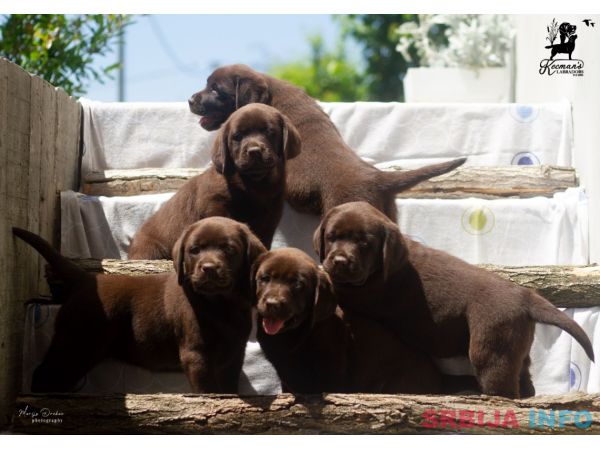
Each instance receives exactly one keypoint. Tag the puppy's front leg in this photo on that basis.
(195, 366)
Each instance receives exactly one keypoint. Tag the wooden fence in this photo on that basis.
(39, 157)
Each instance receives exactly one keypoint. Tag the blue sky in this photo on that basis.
(198, 43)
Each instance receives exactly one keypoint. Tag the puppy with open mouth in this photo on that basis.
(245, 183)
(327, 172)
(317, 347)
(197, 319)
(436, 302)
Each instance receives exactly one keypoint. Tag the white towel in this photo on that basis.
(506, 231)
(140, 135)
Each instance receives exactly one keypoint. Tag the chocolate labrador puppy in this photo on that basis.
(197, 319)
(316, 347)
(435, 301)
(246, 183)
(327, 173)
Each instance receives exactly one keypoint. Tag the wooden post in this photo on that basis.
(39, 148)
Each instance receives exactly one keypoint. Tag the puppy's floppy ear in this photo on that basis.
(253, 269)
(254, 247)
(221, 156)
(325, 300)
(291, 142)
(178, 254)
(319, 237)
(251, 90)
(319, 241)
(395, 252)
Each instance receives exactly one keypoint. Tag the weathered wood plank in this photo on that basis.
(497, 182)
(47, 179)
(6, 385)
(484, 182)
(317, 414)
(35, 168)
(67, 154)
(31, 174)
(564, 286)
(15, 122)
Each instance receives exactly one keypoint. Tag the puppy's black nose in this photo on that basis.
(191, 101)
(339, 260)
(209, 268)
(272, 302)
(274, 305)
(254, 152)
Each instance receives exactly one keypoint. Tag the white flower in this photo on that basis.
(473, 40)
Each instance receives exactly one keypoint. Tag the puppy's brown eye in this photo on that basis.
(298, 285)
(269, 131)
(237, 136)
(194, 249)
(228, 249)
(264, 279)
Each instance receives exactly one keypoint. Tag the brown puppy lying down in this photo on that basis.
(246, 183)
(316, 347)
(197, 319)
(435, 301)
(327, 173)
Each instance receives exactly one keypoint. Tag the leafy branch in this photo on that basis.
(61, 48)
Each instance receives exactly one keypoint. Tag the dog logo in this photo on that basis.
(567, 37)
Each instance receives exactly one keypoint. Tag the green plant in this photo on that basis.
(377, 36)
(327, 75)
(61, 48)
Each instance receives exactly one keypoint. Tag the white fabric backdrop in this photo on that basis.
(139, 135)
(509, 231)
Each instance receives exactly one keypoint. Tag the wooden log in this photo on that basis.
(496, 182)
(482, 182)
(316, 414)
(564, 286)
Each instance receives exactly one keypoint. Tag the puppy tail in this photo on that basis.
(541, 310)
(401, 181)
(61, 266)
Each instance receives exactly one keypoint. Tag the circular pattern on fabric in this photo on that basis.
(478, 220)
(524, 113)
(525, 159)
(574, 376)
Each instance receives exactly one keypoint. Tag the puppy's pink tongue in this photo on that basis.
(272, 326)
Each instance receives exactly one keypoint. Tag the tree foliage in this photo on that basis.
(326, 75)
(378, 36)
(61, 48)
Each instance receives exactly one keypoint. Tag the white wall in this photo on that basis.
(582, 92)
